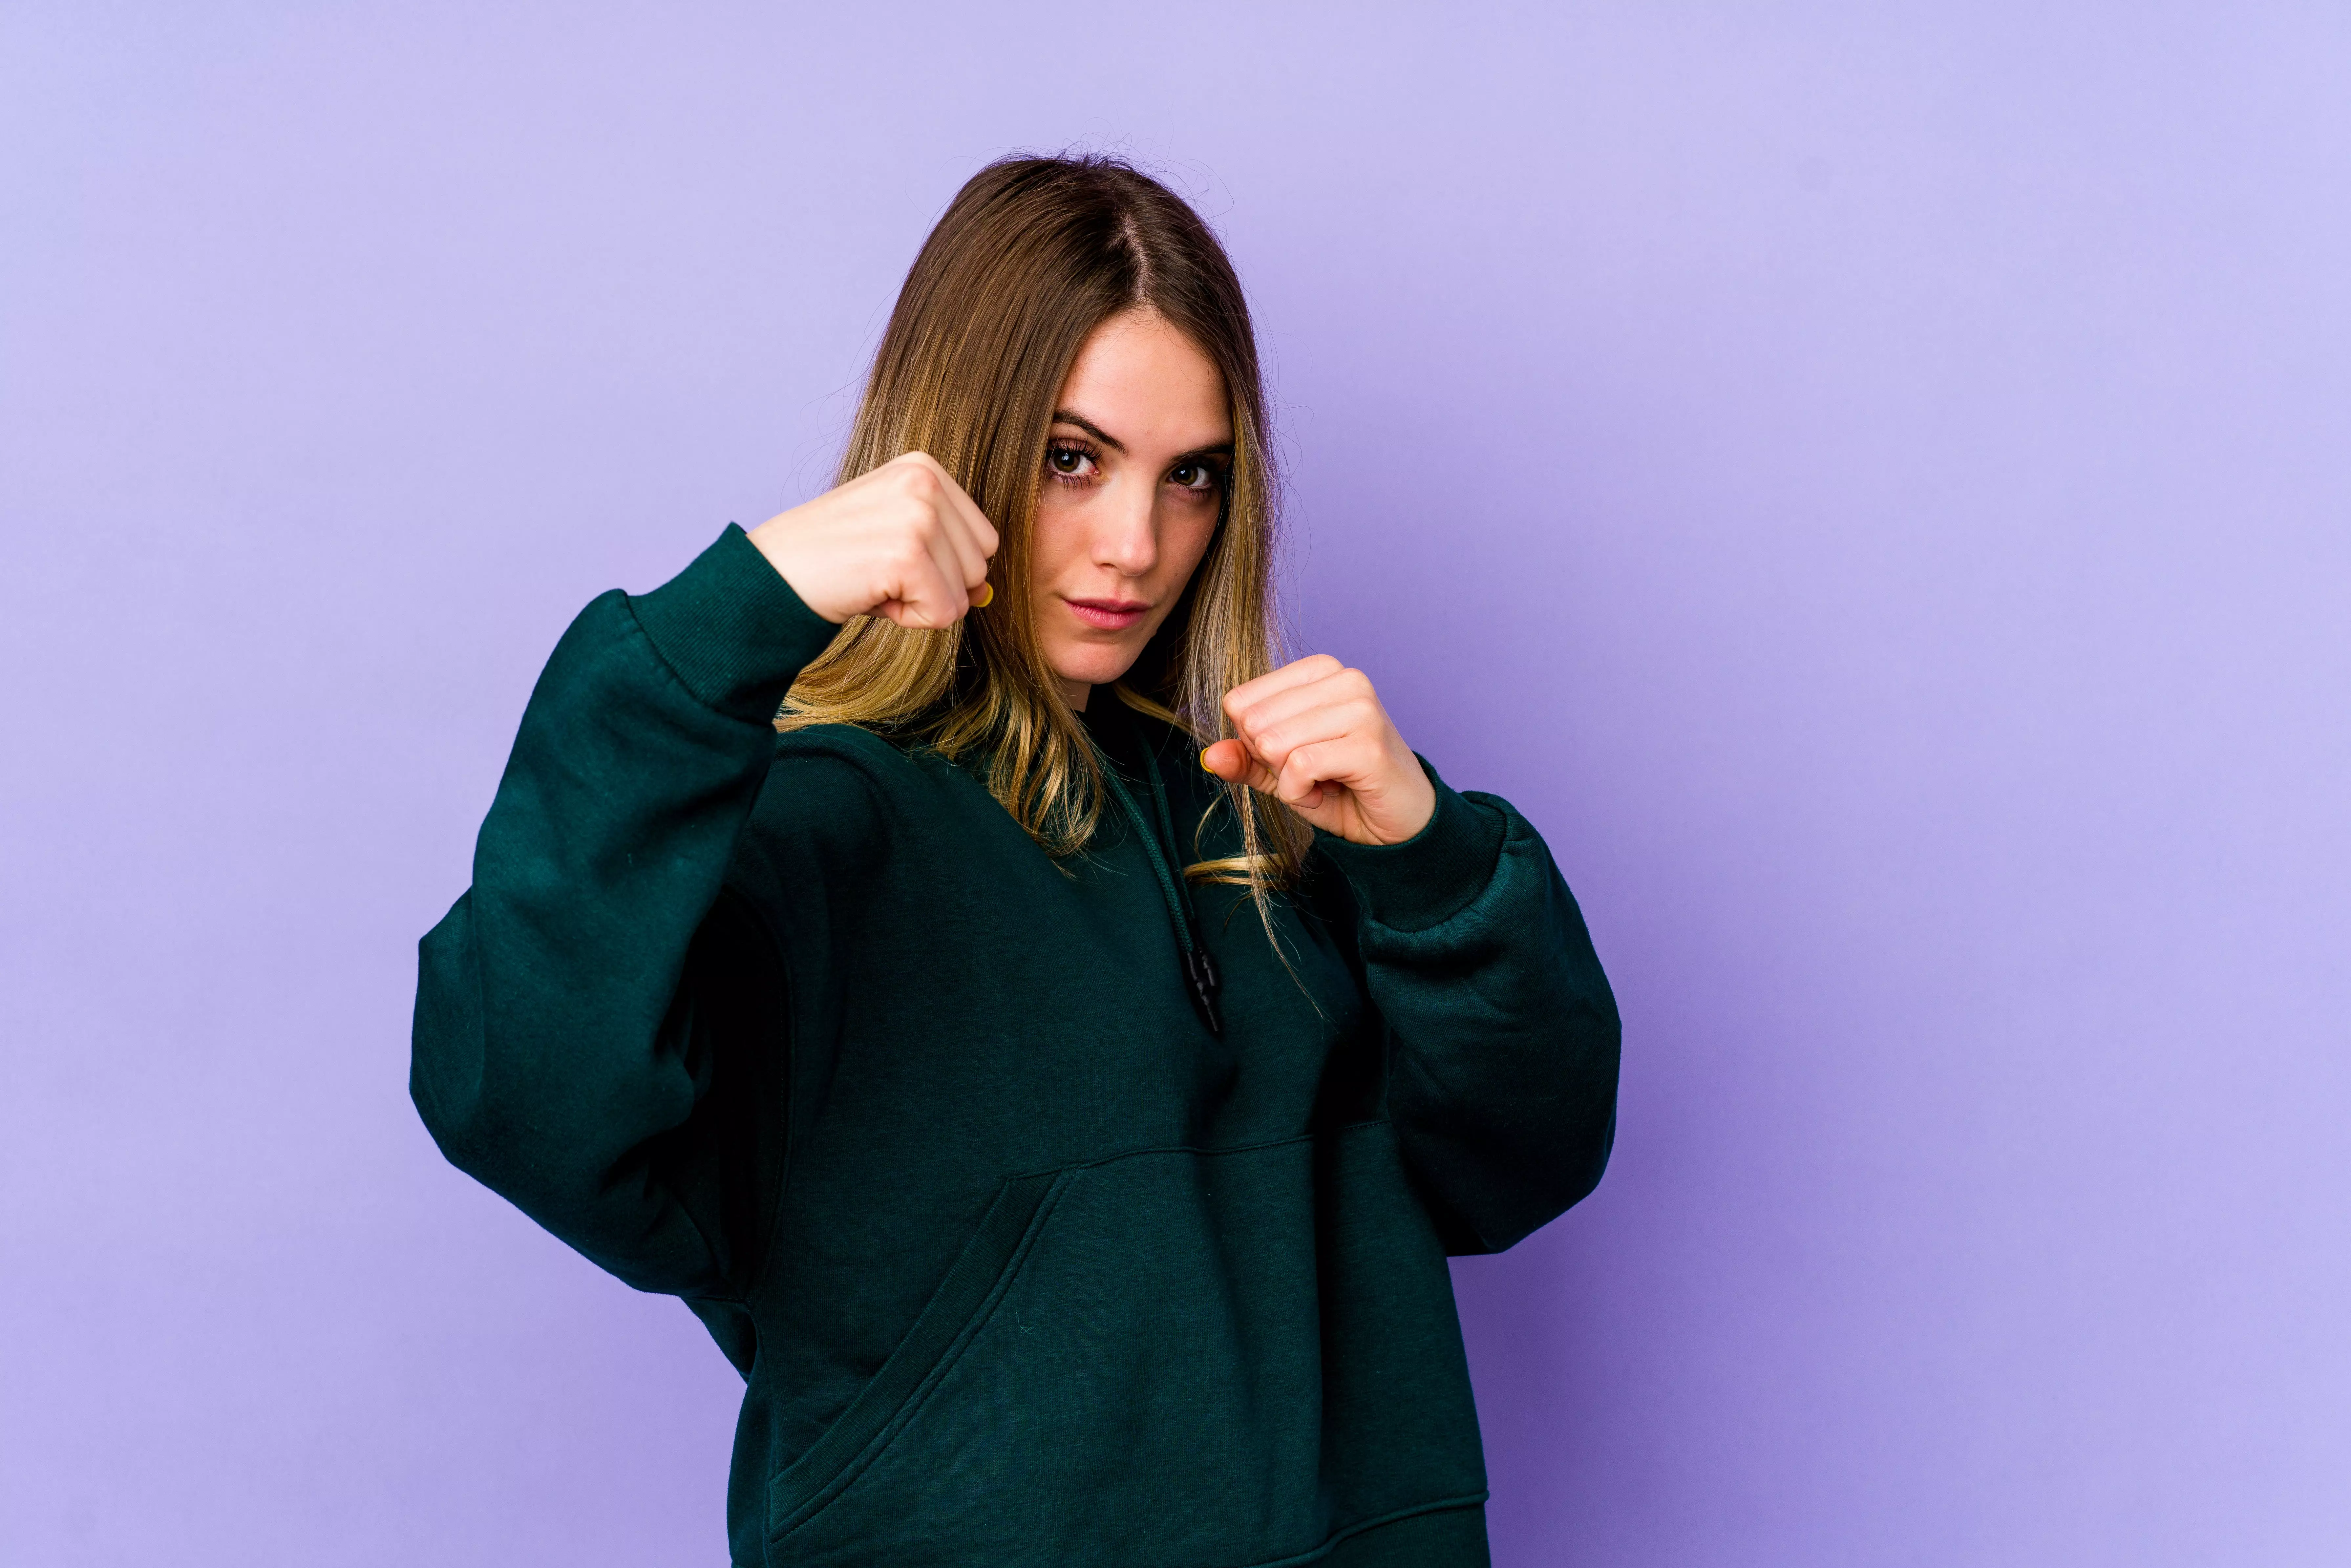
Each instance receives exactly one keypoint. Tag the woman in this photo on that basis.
(1062, 1126)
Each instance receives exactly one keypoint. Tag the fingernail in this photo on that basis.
(983, 595)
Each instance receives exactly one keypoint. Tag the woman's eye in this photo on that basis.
(1070, 462)
(1194, 476)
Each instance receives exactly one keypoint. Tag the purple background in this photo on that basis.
(1870, 481)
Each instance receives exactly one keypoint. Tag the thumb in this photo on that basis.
(1236, 764)
(1231, 761)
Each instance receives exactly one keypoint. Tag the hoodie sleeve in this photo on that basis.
(562, 1053)
(1503, 1033)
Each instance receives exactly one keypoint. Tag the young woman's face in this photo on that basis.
(1135, 472)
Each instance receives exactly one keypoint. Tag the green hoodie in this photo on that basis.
(1021, 1261)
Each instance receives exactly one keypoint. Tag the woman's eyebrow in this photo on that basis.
(1063, 416)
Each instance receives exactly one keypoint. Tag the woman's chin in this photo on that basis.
(1093, 666)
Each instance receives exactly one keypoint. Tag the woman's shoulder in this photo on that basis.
(826, 795)
(852, 744)
(844, 772)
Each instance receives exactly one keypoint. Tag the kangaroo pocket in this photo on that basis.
(1127, 1364)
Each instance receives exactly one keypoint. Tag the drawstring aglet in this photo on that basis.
(1201, 971)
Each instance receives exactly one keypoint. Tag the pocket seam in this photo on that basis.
(1256, 1148)
(858, 1437)
(1338, 1537)
(952, 1321)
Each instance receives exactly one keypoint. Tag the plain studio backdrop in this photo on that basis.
(1872, 482)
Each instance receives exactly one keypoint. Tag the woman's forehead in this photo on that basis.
(1138, 383)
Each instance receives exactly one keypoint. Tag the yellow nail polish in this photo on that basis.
(982, 596)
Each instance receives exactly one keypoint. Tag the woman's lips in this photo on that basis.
(1108, 614)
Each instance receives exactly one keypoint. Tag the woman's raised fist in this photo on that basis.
(903, 541)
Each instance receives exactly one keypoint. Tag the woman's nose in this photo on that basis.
(1127, 541)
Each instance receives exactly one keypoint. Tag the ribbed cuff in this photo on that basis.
(1431, 876)
(732, 629)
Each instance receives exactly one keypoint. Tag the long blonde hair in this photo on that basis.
(1030, 256)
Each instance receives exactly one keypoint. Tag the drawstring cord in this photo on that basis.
(1199, 969)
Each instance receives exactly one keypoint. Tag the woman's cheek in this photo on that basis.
(1202, 533)
(1049, 540)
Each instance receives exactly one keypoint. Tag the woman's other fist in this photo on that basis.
(1313, 735)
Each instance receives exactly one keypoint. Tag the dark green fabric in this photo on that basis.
(1019, 1262)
